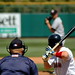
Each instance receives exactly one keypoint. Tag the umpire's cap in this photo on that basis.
(53, 40)
(53, 12)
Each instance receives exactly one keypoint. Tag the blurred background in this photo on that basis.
(26, 19)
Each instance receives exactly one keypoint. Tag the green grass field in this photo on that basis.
(36, 47)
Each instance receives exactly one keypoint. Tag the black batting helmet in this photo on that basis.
(16, 44)
(53, 39)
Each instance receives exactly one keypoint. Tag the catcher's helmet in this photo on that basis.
(53, 39)
(16, 44)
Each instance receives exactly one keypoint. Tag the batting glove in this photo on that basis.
(49, 51)
(45, 58)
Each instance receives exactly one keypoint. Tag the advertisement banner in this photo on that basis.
(10, 25)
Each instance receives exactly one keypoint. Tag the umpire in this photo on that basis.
(16, 63)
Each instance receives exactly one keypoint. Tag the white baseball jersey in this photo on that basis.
(63, 67)
(58, 26)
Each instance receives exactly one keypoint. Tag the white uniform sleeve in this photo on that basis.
(51, 61)
(57, 22)
(69, 52)
(55, 25)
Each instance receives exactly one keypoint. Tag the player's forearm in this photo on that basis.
(50, 27)
(45, 60)
(48, 24)
(64, 55)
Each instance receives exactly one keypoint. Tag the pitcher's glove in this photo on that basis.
(49, 18)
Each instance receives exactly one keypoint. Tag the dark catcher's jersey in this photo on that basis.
(17, 65)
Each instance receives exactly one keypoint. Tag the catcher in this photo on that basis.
(62, 59)
(16, 63)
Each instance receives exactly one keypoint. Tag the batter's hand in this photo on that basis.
(49, 51)
(45, 58)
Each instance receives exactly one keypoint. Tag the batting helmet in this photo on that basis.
(53, 39)
(16, 44)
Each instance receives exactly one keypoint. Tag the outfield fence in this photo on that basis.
(31, 18)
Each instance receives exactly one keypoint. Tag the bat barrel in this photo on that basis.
(72, 30)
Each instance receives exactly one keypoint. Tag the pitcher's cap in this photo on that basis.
(53, 12)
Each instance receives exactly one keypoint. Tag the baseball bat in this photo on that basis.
(68, 33)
